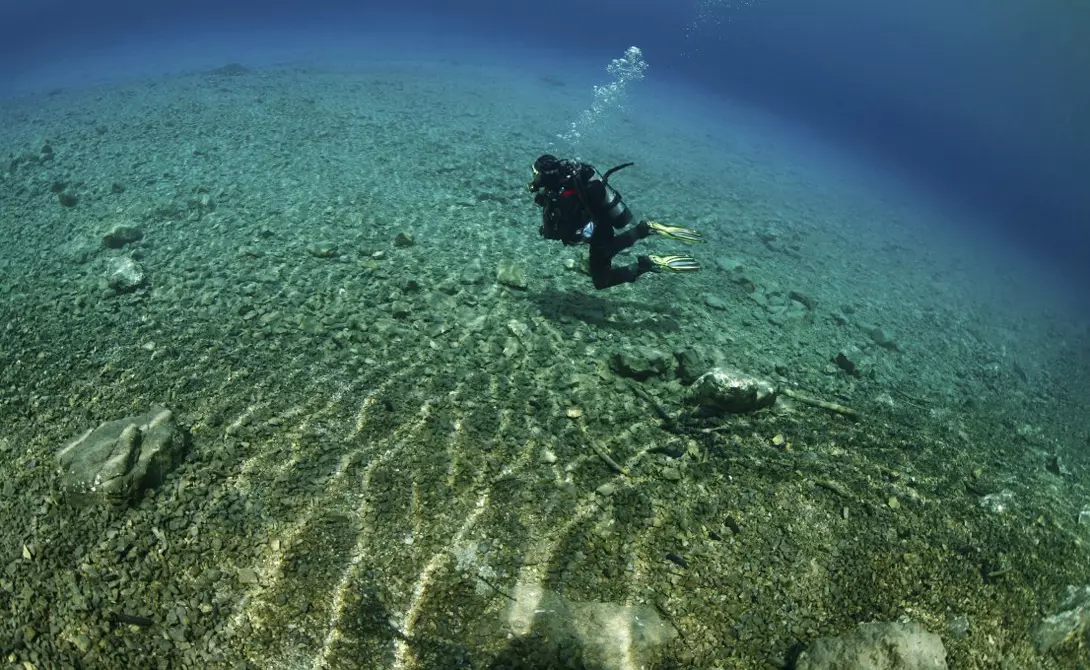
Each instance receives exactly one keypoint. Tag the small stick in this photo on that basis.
(814, 402)
(914, 402)
(496, 589)
(609, 461)
(669, 423)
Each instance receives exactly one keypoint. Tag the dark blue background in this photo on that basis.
(989, 102)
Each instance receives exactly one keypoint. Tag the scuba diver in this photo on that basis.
(578, 205)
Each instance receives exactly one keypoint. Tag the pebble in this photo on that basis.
(247, 576)
(671, 474)
(606, 490)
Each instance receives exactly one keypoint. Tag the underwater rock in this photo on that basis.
(851, 360)
(877, 646)
(727, 264)
(1070, 623)
(120, 236)
(722, 390)
(125, 275)
(845, 363)
(120, 459)
(404, 239)
(1084, 516)
(510, 273)
(691, 364)
(715, 302)
(607, 636)
(959, 626)
(641, 363)
(323, 249)
(883, 339)
(783, 311)
(998, 503)
(803, 299)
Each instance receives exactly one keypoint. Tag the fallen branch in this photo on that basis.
(609, 461)
(912, 401)
(668, 422)
(497, 589)
(814, 402)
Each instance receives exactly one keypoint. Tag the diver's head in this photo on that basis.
(549, 173)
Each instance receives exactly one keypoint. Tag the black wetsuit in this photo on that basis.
(586, 200)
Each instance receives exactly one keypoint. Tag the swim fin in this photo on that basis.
(675, 232)
(674, 263)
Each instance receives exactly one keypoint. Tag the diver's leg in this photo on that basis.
(605, 247)
(631, 236)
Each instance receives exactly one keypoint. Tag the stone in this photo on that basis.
(404, 239)
(715, 302)
(721, 390)
(883, 339)
(120, 459)
(510, 273)
(323, 249)
(691, 364)
(120, 236)
(845, 363)
(803, 299)
(642, 363)
(602, 635)
(959, 626)
(1068, 625)
(727, 264)
(125, 275)
(877, 646)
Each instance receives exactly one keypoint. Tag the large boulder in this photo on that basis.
(721, 390)
(120, 459)
(877, 646)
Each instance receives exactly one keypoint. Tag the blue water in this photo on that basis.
(987, 102)
(422, 439)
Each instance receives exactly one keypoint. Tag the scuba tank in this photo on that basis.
(603, 201)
